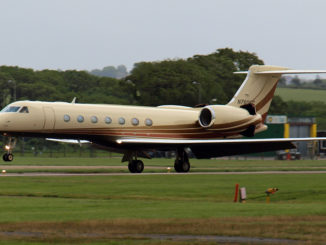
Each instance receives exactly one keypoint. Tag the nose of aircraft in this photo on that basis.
(5, 121)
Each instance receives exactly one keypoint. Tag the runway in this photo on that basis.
(165, 237)
(54, 174)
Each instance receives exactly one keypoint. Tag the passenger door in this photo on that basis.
(49, 118)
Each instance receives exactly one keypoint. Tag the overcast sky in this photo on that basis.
(89, 34)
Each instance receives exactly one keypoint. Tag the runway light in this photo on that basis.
(268, 192)
(7, 147)
(169, 169)
(3, 171)
(243, 194)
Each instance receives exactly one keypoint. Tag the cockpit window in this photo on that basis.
(11, 109)
(24, 109)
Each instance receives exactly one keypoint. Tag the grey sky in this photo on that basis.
(88, 34)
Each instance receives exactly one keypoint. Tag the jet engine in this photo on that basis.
(228, 118)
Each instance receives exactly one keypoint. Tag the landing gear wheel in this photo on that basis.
(131, 167)
(136, 166)
(8, 157)
(139, 166)
(181, 166)
(185, 167)
(177, 166)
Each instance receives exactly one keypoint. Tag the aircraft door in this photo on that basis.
(49, 118)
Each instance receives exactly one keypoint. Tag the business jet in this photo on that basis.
(208, 131)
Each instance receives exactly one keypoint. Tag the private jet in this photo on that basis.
(207, 131)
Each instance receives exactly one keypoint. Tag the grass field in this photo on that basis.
(301, 94)
(115, 209)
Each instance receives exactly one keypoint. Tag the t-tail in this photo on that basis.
(259, 86)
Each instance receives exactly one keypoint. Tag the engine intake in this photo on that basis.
(206, 117)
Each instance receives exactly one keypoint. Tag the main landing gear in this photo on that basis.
(8, 157)
(136, 166)
(181, 164)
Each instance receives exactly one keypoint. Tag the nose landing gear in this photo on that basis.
(8, 157)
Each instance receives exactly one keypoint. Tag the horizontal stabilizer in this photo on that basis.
(284, 72)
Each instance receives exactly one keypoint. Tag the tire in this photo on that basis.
(185, 167)
(131, 167)
(177, 166)
(138, 166)
(10, 157)
(5, 157)
(181, 167)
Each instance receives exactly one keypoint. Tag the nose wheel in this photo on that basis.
(8, 157)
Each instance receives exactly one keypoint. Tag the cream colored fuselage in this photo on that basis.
(47, 119)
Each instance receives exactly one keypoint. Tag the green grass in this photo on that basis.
(308, 95)
(163, 196)
(172, 204)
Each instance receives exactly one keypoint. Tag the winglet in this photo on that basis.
(74, 100)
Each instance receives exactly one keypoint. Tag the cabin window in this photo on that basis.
(122, 120)
(135, 121)
(108, 120)
(66, 118)
(94, 119)
(11, 109)
(24, 110)
(148, 122)
(80, 119)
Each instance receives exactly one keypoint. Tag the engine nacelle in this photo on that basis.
(227, 118)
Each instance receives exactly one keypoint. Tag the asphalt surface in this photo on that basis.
(173, 237)
(34, 174)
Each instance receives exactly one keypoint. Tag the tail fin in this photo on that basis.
(260, 84)
(258, 87)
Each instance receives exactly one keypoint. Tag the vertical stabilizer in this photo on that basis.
(258, 88)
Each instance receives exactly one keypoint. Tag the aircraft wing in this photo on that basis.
(214, 141)
(221, 147)
(69, 141)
